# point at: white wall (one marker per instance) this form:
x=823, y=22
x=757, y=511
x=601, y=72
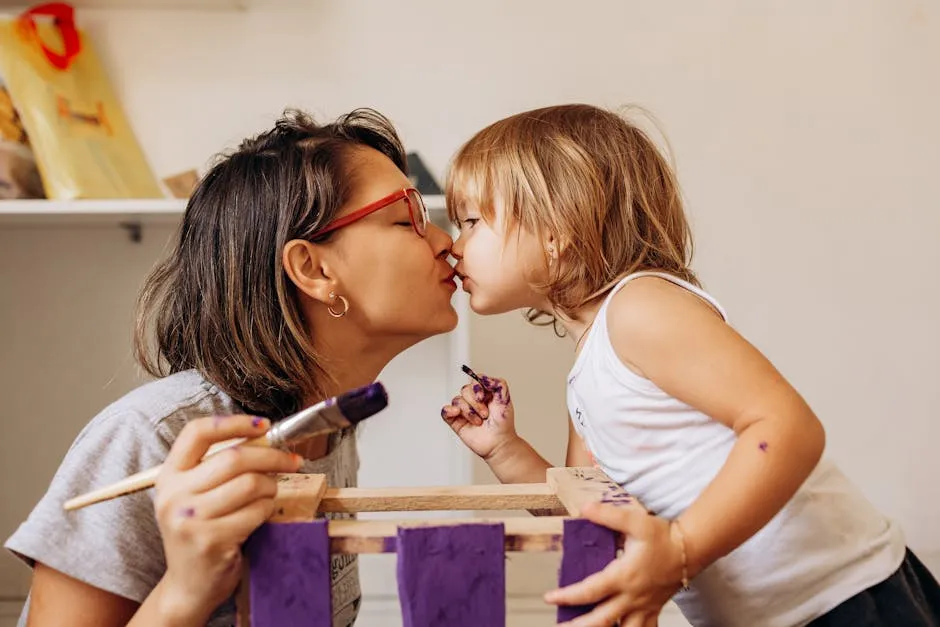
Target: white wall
x=805, y=135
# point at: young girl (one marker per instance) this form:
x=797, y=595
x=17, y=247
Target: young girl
x=305, y=262
x=572, y=212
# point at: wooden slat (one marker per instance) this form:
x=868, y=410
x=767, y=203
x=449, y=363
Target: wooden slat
x=577, y=486
x=298, y=497
x=527, y=534
x=469, y=497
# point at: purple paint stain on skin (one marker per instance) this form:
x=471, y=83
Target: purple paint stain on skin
x=586, y=549
x=763, y=446
x=187, y=512
x=452, y=575
x=502, y=393
x=289, y=570
x=256, y=421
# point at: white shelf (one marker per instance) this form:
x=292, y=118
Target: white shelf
x=175, y=5
x=89, y=212
x=62, y=213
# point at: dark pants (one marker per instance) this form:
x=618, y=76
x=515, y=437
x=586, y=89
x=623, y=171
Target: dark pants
x=908, y=598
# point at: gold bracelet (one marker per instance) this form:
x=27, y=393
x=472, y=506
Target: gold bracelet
x=685, y=563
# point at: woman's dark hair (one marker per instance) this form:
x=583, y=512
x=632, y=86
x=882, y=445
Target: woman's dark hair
x=222, y=302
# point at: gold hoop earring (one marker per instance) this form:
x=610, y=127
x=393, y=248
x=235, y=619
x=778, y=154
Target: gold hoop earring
x=338, y=314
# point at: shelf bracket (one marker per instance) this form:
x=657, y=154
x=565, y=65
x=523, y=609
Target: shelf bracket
x=134, y=230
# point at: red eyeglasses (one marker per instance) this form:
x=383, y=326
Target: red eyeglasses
x=416, y=207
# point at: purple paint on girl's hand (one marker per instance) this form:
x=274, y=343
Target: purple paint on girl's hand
x=763, y=446
x=256, y=421
x=187, y=512
x=501, y=393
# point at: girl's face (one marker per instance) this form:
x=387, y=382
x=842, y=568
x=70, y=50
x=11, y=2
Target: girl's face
x=398, y=283
x=498, y=269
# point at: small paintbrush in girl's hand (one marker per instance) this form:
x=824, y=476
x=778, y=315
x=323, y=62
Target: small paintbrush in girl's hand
x=486, y=388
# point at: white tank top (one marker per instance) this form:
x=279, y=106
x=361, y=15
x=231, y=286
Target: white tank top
x=826, y=545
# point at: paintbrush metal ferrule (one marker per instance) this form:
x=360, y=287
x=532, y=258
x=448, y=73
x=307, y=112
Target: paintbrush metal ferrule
x=324, y=417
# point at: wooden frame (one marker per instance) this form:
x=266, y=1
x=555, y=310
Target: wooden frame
x=302, y=498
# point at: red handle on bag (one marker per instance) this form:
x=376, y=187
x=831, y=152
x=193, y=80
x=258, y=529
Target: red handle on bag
x=63, y=16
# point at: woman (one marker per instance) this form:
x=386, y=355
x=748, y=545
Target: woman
x=305, y=263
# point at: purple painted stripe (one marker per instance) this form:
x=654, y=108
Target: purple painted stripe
x=452, y=575
x=289, y=566
x=586, y=549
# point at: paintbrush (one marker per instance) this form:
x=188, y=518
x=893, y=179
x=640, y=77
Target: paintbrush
x=470, y=373
x=333, y=414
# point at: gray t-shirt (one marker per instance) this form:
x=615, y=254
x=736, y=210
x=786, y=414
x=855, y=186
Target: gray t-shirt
x=116, y=545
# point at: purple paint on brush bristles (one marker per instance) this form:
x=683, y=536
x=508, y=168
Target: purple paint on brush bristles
x=586, y=549
x=485, y=386
x=289, y=575
x=357, y=405
x=452, y=575
x=470, y=373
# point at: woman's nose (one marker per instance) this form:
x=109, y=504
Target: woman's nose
x=441, y=242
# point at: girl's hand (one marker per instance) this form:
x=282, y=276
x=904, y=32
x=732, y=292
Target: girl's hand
x=634, y=587
x=206, y=510
x=482, y=418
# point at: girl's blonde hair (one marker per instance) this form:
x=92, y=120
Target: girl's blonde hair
x=593, y=180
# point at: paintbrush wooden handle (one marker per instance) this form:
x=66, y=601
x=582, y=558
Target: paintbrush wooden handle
x=145, y=479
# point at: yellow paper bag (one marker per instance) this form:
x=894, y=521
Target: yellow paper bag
x=83, y=144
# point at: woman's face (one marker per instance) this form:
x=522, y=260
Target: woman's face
x=398, y=283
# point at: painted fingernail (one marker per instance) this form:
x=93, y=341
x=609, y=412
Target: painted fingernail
x=298, y=459
x=257, y=422
x=187, y=512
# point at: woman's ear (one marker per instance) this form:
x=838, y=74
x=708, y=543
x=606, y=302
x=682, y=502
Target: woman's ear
x=308, y=269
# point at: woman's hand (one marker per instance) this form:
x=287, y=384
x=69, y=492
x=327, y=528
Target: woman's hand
x=207, y=510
